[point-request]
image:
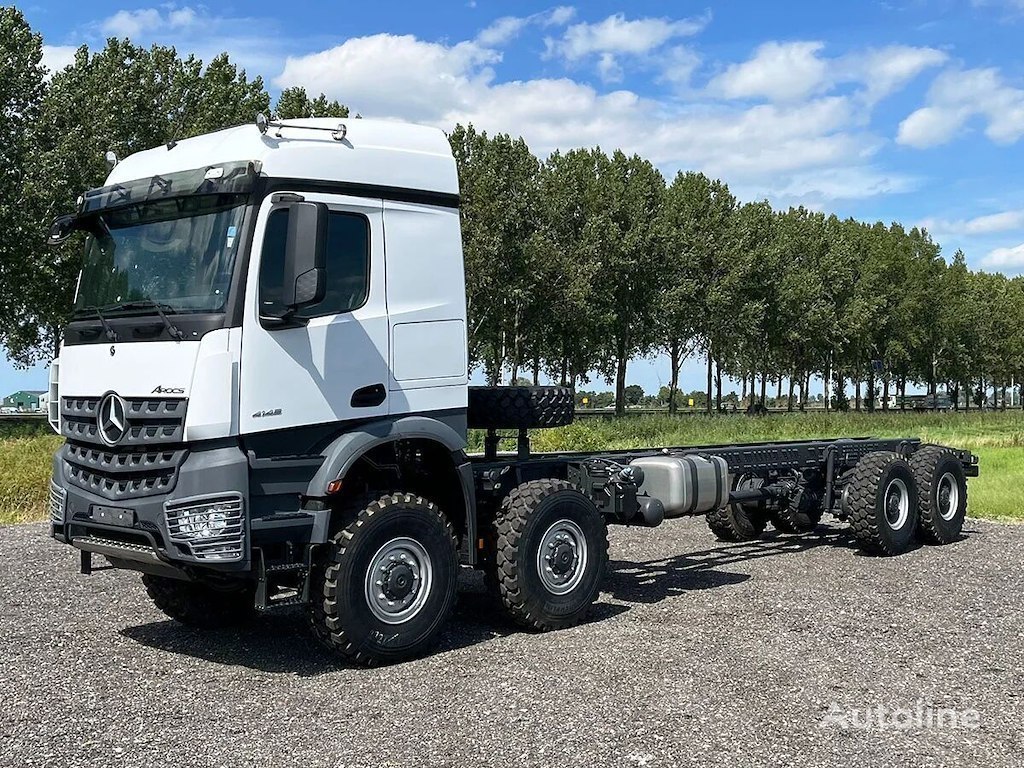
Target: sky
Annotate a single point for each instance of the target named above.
(903, 110)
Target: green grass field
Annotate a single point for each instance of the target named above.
(998, 438)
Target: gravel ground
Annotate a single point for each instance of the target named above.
(723, 655)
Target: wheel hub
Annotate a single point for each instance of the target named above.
(398, 580)
(897, 504)
(562, 557)
(948, 496)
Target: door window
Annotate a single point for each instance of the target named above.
(348, 264)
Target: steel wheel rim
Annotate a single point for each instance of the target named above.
(562, 557)
(947, 496)
(398, 581)
(897, 504)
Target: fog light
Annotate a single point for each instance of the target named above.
(209, 529)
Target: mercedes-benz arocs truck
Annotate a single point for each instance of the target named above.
(265, 398)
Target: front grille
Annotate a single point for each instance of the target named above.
(150, 421)
(122, 475)
(210, 528)
(144, 462)
(58, 496)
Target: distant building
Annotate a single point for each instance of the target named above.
(26, 400)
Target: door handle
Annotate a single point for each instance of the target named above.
(369, 397)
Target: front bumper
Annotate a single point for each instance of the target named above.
(159, 532)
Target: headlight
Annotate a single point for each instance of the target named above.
(208, 529)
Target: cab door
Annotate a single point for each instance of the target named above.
(334, 368)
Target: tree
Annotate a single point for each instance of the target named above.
(633, 394)
(294, 103)
(498, 179)
(21, 91)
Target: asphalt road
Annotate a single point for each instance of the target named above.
(699, 653)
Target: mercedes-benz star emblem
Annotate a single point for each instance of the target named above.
(112, 419)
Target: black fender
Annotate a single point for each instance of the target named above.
(345, 450)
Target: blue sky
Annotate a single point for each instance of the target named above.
(909, 110)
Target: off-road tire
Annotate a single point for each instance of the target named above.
(201, 606)
(520, 407)
(526, 516)
(791, 520)
(931, 463)
(737, 522)
(869, 484)
(340, 616)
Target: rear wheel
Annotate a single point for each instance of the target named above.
(881, 501)
(942, 486)
(740, 521)
(199, 605)
(552, 554)
(388, 583)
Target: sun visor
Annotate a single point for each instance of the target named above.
(225, 178)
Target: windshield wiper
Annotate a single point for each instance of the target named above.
(108, 329)
(172, 330)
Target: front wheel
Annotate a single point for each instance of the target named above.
(200, 605)
(388, 583)
(552, 553)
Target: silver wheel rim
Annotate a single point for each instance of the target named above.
(399, 580)
(897, 504)
(947, 496)
(562, 557)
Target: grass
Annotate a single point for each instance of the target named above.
(997, 438)
(25, 453)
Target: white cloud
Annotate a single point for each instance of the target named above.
(252, 43)
(615, 37)
(506, 28)
(777, 71)
(395, 75)
(992, 223)
(958, 96)
(146, 20)
(886, 70)
(767, 149)
(56, 57)
(795, 71)
(999, 258)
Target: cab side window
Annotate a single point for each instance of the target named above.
(348, 264)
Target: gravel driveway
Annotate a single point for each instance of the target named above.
(699, 653)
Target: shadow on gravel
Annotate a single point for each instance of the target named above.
(273, 642)
(654, 580)
(278, 642)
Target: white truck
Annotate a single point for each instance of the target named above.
(264, 394)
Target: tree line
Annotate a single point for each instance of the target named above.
(586, 260)
(575, 264)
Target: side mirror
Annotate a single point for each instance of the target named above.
(305, 255)
(61, 229)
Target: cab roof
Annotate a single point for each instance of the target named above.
(373, 152)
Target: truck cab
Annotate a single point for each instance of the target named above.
(261, 311)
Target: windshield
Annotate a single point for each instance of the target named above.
(178, 253)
